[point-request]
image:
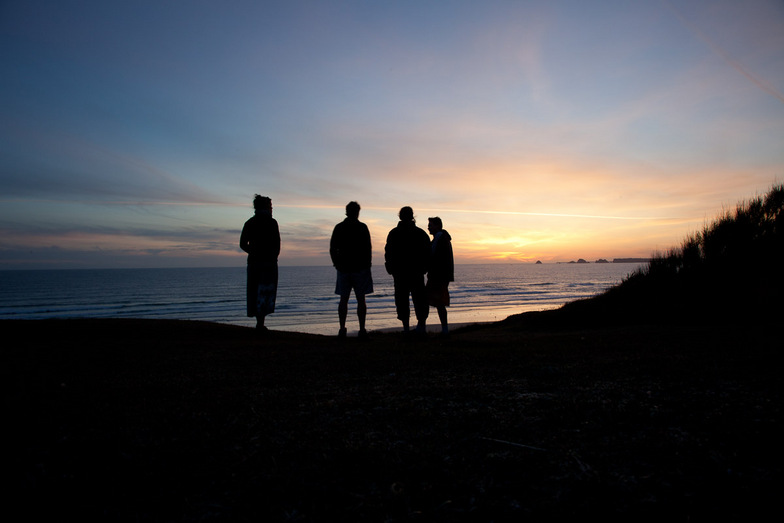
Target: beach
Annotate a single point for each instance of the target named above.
(164, 420)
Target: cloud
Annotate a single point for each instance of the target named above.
(535, 129)
(97, 246)
(50, 165)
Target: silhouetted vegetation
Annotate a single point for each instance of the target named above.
(731, 270)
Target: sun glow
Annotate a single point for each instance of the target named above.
(535, 130)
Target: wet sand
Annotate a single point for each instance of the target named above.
(176, 420)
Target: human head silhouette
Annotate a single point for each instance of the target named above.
(352, 210)
(262, 203)
(434, 224)
(406, 214)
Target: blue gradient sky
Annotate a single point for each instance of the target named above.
(134, 134)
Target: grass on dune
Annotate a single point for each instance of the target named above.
(730, 270)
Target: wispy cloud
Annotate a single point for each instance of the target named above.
(549, 130)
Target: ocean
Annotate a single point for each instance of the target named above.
(306, 300)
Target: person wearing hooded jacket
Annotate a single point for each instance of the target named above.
(406, 258)
(441, 271)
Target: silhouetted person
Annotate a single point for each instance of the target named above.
(351, 255)
(260, 238)
(406, 256)
(441, 270)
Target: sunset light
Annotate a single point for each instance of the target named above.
(135, 135)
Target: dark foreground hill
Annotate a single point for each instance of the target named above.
(657, 400)
(185, 421)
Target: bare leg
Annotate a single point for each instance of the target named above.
(343, 310)
(342, 314)
(361, 311)
(443, 317)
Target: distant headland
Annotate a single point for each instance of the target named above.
(615, 260)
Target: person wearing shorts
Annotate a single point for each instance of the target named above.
(351, 252)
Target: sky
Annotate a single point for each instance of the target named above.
(135, 133)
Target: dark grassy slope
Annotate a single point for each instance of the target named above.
(731, 271)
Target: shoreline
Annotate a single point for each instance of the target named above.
(459, 317)
(306, 299)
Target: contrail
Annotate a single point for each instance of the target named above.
(553, 215)
(311, 206)
(480, 211)
(759, 82)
